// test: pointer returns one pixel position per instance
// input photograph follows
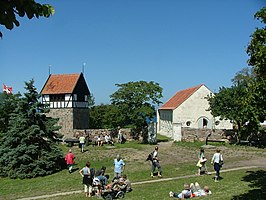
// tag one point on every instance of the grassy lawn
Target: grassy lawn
(241, 184)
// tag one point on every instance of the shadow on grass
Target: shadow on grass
(257, 181)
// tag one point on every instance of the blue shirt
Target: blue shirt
(118, 165)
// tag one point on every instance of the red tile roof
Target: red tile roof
(179, 98)
(60, 84)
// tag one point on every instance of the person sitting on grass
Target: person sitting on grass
(108, 139)
(197, 191)
(185, 194)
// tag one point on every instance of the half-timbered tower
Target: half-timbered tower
(67, 96)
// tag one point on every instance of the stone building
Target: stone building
(188, 109)
(67, 96)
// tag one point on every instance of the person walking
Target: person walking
(155, 163)
(120, 135)
(82, 142)
(119, 167)
(87, 179)
(201, 161)
(69, 158)
(217, 161)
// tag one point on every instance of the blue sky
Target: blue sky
(176, 43)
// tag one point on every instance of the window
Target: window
(188, 123)
(57, 97)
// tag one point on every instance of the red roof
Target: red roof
(179, 98)
(60, 84)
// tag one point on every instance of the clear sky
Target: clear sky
(176, 43)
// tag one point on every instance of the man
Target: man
(82, 143)
(101, 171)
(119, 166)
(155, 163)
(70, 160)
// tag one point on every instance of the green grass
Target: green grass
(235, 185)
(240, 184)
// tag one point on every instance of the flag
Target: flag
(7, 89)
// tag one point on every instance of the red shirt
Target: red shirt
(70, 158)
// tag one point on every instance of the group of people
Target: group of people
(192, 190)
(98, 178)
(104, 139)
(217, 161)
(189, 191)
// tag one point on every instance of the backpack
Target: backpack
(150, 156)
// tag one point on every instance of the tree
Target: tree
(136, 102)
(257, 59)
(97, 116)
(236, 104)
(8, 103)
(29, 146)
(245, 102)
(257, 47)
(10, 10)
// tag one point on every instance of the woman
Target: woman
(87, 180)
(201, 161)
(216, 160)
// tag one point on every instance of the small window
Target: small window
(57, 97)
(188, 123)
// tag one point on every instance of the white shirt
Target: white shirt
(217, 157)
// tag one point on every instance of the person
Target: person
(100, 182)
(201, 161)
(69, 158)
(82, 142)
(197, 191)
(99, 141)
(120, 136)
(216, 159)
(101, 171)
(87, 179)
(108, 139)
(127, 182)
(155, 163)
(119, 166)
(184, 194)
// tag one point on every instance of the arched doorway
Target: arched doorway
(203, 122)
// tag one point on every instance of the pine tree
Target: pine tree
(29, 147)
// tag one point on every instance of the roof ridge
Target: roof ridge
(180, 97)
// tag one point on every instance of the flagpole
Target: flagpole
(49, 70)
(83, 66)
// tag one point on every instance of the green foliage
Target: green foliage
(257, 46)
(132, 105)
(104, 116)
(28, 148)
(136, 101)
(10, 10)
(8, 103)
(245, 102)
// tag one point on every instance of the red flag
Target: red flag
(7, 89)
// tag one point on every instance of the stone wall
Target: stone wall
(69, 119)
(93, 133)
(189, 134)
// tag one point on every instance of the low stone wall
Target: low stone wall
(191, 135)
(188, 134)
(93, 133)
